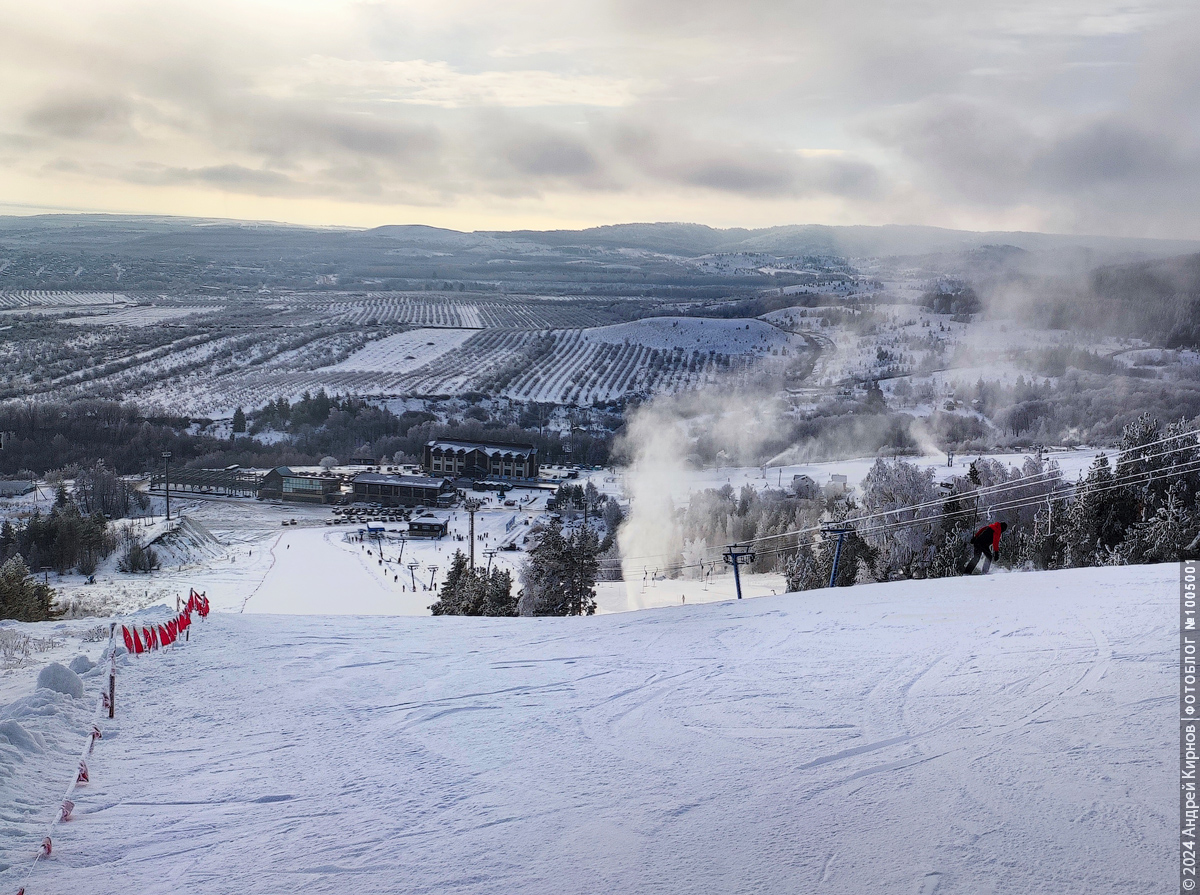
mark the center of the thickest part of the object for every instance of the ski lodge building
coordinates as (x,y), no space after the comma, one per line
(403,490)
(281,483)
(477,459)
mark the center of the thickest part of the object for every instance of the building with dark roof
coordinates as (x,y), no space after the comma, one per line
(15,488)
(427,527)
(478,459)
(281,483)
(402,490)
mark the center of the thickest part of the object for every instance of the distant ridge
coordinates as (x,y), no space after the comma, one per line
(151,235)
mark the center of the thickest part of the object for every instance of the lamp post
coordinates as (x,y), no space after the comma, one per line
(166,455)
(472,506)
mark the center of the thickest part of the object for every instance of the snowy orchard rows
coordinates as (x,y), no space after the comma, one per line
(65,300)
(559,366)
(468,312)
(572,366)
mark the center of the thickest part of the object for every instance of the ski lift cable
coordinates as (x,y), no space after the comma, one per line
(1012,503)
(998,488)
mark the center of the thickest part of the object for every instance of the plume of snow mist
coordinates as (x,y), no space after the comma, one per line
(664,439)
(656,445)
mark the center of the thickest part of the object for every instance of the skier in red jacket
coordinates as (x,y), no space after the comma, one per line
(987,544)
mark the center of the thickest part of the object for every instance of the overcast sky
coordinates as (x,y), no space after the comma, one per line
(1059,115)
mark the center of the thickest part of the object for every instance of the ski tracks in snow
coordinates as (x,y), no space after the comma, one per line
(925,738)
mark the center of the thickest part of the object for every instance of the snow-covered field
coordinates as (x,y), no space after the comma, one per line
(404,352)
(1000,734)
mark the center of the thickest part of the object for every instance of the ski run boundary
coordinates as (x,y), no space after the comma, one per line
(155,638)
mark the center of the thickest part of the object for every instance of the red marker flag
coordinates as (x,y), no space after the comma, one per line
(138,649)
(128,638)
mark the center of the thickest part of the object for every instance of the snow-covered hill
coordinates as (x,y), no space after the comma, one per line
(1008,734)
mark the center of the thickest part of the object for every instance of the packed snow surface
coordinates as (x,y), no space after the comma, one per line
(1009,734)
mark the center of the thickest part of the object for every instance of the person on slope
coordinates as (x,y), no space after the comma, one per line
(986,543)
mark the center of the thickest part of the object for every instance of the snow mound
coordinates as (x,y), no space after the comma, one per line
(81,665)
(18,736)
(60,679)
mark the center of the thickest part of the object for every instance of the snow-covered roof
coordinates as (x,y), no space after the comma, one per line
(519,450)
(408,481)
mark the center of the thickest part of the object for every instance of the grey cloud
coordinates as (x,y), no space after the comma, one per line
(1107,173)
(970,150)
(233,178)
(552,156)
(1112,152)
(284,130)
(516,157)
(76,117)
(746,170)
(979,111)
(735,176)
(987,153)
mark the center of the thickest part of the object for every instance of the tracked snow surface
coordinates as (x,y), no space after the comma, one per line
(1002,734)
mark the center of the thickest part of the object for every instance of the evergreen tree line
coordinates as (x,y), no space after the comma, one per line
(557,578)
(1143,509)
(44,437)
(467,591)
(23,597)
(66,538)
(76,534)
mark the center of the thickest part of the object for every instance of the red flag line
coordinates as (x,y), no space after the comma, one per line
(137,642)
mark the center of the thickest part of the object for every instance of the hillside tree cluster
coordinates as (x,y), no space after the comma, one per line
(1144,508)
(468,591)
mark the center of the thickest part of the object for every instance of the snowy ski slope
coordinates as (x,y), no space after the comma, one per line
(1007,734)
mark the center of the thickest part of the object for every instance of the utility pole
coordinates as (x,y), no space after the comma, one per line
(472,505)
(733,556)
(166,455)
(837,552)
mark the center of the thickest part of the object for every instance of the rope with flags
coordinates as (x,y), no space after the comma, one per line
(137,641)
(81,772)
(157,636)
